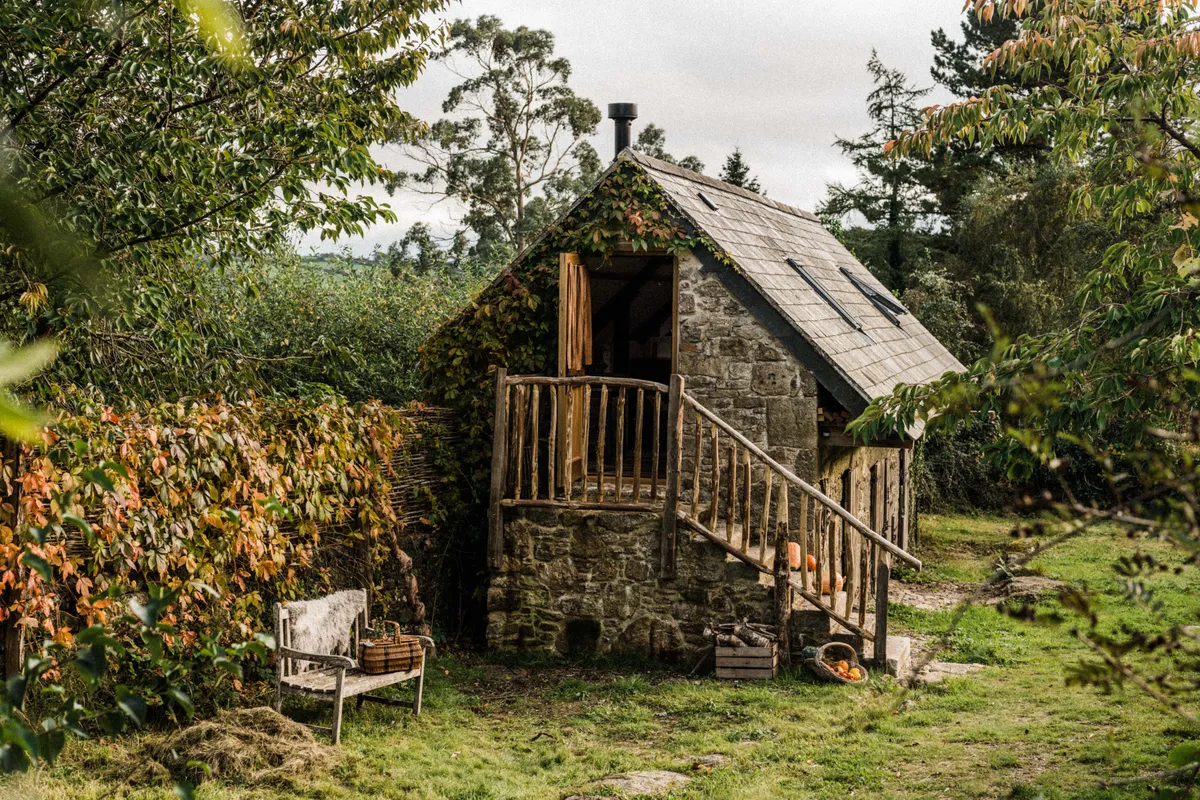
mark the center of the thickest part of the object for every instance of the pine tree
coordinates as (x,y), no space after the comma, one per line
(737,172)
(890,194)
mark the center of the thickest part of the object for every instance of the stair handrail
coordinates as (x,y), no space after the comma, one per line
(804,486)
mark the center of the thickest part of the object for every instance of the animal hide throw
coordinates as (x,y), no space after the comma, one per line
(323,626)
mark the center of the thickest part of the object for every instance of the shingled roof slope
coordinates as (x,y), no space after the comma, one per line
(760,235)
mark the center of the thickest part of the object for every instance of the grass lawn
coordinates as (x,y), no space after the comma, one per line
(1014,729)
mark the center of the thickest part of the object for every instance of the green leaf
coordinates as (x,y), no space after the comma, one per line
(91,662)
(132,705)
(1184,754)
(37,564)
(14,688)
(180,698)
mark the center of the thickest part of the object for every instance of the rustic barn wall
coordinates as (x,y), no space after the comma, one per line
(737,368)
(836,462)
(578,583)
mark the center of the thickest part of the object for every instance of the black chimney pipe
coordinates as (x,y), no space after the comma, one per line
(623,115)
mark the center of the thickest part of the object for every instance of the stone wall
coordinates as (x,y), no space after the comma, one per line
(733,365)
(581,583)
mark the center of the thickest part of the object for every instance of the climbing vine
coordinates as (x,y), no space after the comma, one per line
(513,323)
(227,504)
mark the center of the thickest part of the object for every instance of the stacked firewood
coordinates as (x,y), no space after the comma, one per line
(743,634)
(833,416)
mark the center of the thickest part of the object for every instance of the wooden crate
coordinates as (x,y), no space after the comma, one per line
(748,663)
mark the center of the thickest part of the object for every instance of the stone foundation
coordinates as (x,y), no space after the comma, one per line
(584,583)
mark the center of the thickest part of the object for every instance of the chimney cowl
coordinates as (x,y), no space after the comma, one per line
(622,115)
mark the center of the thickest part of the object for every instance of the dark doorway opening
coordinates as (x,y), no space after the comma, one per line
(633,336)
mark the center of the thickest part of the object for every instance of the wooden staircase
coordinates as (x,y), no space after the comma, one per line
(586,443)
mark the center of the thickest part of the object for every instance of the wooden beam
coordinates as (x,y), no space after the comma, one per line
(882,576)
(837,438)
(670,520)
(499,465)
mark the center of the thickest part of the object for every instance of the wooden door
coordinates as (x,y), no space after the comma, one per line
(574,354)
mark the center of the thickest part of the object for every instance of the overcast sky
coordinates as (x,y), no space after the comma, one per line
(778,78)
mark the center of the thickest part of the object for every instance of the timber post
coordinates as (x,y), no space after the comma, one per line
(670,518)
(499,467)
(783,586)
(881,613)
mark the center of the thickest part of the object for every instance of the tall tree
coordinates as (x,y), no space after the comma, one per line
(515,150)
(652,140)
(1117,389)
(890,193)
(161,143)
(737,171)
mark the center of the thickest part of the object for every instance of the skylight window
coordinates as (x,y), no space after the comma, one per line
(708,201)
(886,304)
(824,294)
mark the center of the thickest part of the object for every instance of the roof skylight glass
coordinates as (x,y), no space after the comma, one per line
(824,294)
(885,303)
(707,201)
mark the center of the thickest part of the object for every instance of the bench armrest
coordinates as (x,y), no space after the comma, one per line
(428,644)
(316,658)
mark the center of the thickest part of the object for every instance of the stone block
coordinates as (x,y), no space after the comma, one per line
(687,302)
(775,379)
(733,346)
(786,426)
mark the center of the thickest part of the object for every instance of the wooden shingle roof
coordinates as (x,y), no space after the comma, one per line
(761,235)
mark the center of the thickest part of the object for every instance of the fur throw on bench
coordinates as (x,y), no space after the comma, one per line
(323,626)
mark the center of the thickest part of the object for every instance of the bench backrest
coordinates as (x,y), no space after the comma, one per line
(286,626)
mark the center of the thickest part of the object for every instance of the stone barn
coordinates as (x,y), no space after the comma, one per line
(692,423)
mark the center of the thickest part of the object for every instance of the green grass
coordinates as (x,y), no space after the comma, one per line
(538,730)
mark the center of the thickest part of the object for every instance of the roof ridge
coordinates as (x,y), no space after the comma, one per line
(713,183)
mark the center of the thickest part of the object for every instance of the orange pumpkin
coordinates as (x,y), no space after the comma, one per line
(794,557)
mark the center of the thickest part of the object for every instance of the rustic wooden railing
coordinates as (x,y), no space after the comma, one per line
(550,449)
(755,508)
(583,442)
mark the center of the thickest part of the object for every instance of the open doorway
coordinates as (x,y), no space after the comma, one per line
(633,305)
(617,320)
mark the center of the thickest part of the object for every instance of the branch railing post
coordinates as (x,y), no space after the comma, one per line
(670,517)
(783,583)
(499,469)
(882,577)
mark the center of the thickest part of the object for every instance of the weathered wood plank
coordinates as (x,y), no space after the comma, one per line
(670,521)
(655,448)
(620,440)
(716,480)
(637,444)
(783,587)
(535,409)
(601,441)
(499,463)
(552,444)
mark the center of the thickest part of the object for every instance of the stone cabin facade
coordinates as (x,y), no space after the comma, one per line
(786,346)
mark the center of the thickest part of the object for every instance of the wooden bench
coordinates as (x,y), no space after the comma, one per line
(335,677)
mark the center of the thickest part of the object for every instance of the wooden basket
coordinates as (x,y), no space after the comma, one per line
(390,654)
(748,663)
(818,660)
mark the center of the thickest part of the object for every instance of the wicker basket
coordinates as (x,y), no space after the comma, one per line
(390,654)
(818,659)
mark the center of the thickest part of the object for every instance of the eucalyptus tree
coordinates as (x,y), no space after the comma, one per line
(513,149)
